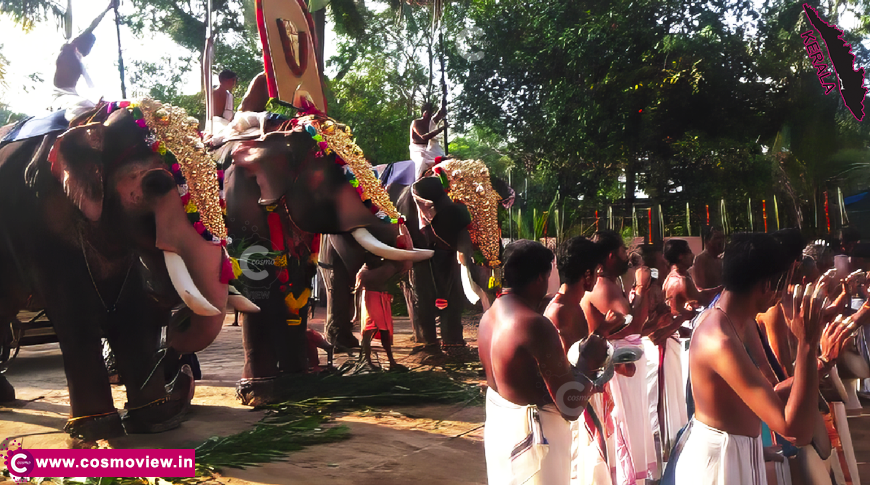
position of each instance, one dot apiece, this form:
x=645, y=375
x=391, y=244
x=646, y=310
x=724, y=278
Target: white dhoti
x=713, y=457
x=424, y=156
x=633, y=457
x=588, y=459
x=71, y=101
x=525, y=444
x=673, y=396
x=651, y=352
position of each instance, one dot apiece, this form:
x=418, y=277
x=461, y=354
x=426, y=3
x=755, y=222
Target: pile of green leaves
x=314, y=394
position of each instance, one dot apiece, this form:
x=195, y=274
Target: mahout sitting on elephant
x=289, y=180
x=96, y=223
x=453, y=212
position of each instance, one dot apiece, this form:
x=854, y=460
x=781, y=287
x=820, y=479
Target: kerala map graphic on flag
x=849, y=79
x=289, y=42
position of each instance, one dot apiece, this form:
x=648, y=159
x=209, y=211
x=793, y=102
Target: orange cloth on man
x=377, y=312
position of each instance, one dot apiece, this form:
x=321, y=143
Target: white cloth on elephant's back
x=246, y=125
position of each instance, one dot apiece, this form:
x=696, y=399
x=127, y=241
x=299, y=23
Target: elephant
x=283, y=191
x=93, y=226
x=439, y=281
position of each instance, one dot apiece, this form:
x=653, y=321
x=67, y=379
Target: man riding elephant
x=93, y=224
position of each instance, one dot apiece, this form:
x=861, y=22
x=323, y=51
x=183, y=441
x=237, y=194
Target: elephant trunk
x=194, y=266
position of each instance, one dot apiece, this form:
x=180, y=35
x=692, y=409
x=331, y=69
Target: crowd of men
x=765, y=317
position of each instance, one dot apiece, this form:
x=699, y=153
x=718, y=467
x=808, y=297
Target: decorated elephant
x=289, y=180
x=111, y=221
x=458, y=206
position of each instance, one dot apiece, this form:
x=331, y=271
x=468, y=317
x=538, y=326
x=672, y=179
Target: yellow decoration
x=295, y=304
x=237, y=270
x=294, y=321
x=281, y=261
x=190, y=208
x=178, y=133
x=341, y=141
x=470, y=184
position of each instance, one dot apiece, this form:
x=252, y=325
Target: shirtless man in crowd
x=732, y=396
x=707, y=268
x=608, y=295
x=578, y=261
x=679, y=288
x=533, y=390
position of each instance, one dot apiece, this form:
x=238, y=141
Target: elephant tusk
x=242, y=304
x=371, y=244
x=184, y=285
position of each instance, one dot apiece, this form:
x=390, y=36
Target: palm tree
x=27, y=13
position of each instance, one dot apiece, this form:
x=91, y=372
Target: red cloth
x=377, y=312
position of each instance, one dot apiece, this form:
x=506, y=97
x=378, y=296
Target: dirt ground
x=433, y=444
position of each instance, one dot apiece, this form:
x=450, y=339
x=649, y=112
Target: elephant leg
x=292, y=351
x=134, y=336
x=339, y=306
x=7, y=392
x=93, y=413
x=258, y=342
x=451, y=317
x=341, y=259
x=424, y=304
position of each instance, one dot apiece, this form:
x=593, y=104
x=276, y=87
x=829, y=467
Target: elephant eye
x=157, y=182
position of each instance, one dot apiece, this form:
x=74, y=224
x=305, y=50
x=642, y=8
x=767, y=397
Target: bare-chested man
x=633, y=440
x=69, y=68
x=608, y=295
x=533, y=391
x=578, y=261
x=707, y=268
x=424, y=145
x=732, y=397
x=679, y=288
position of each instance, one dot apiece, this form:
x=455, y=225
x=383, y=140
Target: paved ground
x=400, y=445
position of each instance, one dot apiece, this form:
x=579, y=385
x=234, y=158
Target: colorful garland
x=332, y=136
x=467, y=181
x=174, y=136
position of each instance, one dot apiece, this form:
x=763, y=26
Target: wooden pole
x=649, y=223
x=764, y=213
x=776, y=211
x=443, y=90
x=120, y=55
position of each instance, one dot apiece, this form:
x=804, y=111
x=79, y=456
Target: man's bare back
x=504, y=338
x=569, y=320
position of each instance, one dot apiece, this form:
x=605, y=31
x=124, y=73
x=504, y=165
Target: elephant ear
x=76, y=161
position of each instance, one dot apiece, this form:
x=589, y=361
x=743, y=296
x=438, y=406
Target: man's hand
x=834, y=337
x=593, y=353
x=614, y=320
x=808, y=303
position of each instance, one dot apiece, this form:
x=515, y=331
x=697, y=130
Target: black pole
x=443, y=90
x=120, y=57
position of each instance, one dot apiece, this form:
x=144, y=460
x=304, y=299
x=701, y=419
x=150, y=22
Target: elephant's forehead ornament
x=333, y=137
x=175, y=137
x=467, y=181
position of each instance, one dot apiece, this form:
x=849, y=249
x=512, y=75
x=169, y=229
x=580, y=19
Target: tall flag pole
x=207, y=59
x=776, y=211
x=688, y=221
x=120, y=54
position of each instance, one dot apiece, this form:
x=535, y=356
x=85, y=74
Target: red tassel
x=276, y=231
x=315, y=244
